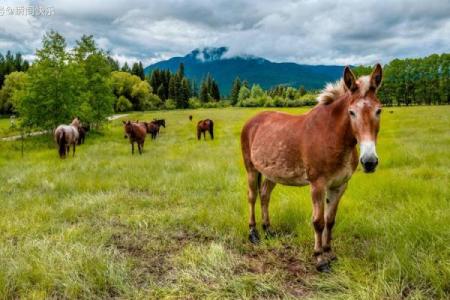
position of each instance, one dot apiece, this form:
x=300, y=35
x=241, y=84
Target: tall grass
x=172, y=223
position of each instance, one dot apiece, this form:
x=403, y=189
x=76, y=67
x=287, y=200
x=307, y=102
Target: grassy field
x=172, y=223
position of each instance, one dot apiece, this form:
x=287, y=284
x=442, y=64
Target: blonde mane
x=331, y=92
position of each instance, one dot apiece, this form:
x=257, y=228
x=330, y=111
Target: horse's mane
x=331, y=92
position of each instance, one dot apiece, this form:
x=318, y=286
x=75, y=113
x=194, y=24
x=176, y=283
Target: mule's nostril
x=370, y=165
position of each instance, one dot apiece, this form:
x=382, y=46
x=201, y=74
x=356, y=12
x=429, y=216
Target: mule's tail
x=61, y=140
x=211, y=129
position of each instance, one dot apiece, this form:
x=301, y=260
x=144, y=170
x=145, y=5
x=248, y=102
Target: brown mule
x=316, y=149
x=203, y=126
x=136, y=132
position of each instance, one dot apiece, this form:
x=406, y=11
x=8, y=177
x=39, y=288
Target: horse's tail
x=61, y=140
x=211, y=129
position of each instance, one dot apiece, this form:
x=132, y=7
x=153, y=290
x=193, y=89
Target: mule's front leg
x=132, y=147
x=333, y=197
x=318, y=197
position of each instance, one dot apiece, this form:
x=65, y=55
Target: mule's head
x=128, y=128
x=364, y=111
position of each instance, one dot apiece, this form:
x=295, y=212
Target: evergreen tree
x=235, y=90
x=126, y=68
x=215, y=93
x=204, y=95
x=180, y=71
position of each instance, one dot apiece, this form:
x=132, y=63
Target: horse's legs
x=333, y=197
x=204, y=135
x=132, y=147
x=318, y=197
x=265, y=191
x=252, y=178
x=73, y=154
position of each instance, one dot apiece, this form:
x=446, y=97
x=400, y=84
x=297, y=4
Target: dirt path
x=36, y=133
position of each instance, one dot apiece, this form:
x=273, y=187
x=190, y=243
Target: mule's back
x=269, y=144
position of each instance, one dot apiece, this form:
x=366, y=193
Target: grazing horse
x=317, y=149
x=152, y=128
x=159, y=122
x=82, y=130
x=136, y=133
x=66, y=135
x=203, y=126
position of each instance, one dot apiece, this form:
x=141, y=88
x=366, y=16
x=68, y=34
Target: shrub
x=123, y=104
x=170, y=104
x=194, y=103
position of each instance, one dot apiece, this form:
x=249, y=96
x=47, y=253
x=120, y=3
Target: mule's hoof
x=323, y=267
x=332, y=257
x=254, y=236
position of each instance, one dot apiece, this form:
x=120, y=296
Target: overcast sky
x=304, y=31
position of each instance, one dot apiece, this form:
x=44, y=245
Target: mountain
x=258, y=70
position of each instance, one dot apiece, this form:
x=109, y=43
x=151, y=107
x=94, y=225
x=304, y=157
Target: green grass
x=172, y=223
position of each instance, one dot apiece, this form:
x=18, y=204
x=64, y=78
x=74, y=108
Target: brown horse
x=66, y=135
x=316, y=149
x=152, y=128
x=83, y=130
x=203, y=126
x=190, y=117
x=136, y=132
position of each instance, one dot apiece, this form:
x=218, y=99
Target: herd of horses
x=75, y=133
x=318, y=149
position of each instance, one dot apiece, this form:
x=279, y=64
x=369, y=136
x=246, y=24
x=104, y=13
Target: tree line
x=86, y=81
x=416, y=81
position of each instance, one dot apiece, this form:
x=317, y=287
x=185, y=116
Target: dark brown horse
x=316, y=149
x=190, y=117
x=136, y=133
x=83, y=130
x=152, y=128
x=159, y=122
x=203, y=126
x=66, y=135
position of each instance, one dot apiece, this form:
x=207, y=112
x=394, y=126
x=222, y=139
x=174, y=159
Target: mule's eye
x=352, y=113
x=378, y=112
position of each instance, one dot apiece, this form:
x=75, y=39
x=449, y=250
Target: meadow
x=172, y=223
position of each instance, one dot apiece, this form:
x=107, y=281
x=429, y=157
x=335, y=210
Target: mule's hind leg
x=253, y=178
x=265, y=191
x=333, y=197
x=132, y=147
x=318, y=196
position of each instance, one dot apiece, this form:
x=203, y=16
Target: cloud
x=305, y=31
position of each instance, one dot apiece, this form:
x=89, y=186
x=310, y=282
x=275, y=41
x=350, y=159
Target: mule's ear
x=349, y=79
x=376, y=76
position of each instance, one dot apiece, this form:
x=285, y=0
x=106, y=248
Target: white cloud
x=305, y=31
